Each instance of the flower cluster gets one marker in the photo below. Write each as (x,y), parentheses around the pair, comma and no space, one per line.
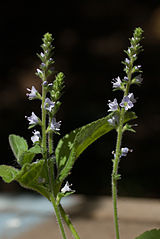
(51,92)
(133,76)
(130,69)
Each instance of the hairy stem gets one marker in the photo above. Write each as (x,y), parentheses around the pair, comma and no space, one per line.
(58,216)
(44,143)
(68,222)
(115,176)
(115,173)
(50,139)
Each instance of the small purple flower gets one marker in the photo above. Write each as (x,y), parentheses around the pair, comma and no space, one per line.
(43,65)
(124,152)
(33,119)
(137,67)
(42,54)
(48,104)
(32,94)
(113,105)
(129,51)
(114,120)
(36,136)
(66,188)
(39,72)
(127,61)
(125,78)
(116,82)
(55,126)
(45,83)
(131,96)
(126,103)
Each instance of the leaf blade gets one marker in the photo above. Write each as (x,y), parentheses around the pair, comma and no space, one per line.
(18,145)
(8,173)
(152,234)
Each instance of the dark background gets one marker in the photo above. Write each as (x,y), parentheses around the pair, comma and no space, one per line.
(90,37)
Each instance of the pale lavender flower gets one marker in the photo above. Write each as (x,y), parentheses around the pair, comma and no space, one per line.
(113,105)
(127,61)
(114,120)
(137,67)
(55,126)
(45,83)
(36,136)
(32,94)
(42,54)
(131,96)
(39,71)
(124,151)
(126,103)
(50,84)
(116,82)
(48,104)
(66,188)
(125,78)
(43,64)
(129,51)
(33,119)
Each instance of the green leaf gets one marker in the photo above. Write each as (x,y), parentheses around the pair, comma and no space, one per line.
(64,148)
(18,145)
(27,157)
(36,149)
(30,172)
(153,234)
(29,177)
(72,145)
(8,173)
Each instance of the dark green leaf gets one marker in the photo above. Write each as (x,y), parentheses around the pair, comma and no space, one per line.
(30,175)
(153,234)
(72,145)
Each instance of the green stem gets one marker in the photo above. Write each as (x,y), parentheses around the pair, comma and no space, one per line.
(68,222)
(44,143)
(115,175)
(50,139)
(58,216)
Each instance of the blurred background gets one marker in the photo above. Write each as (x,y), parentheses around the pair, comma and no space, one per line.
(90,37)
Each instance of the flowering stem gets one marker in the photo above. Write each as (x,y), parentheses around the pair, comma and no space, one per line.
(115,175)
(58,216)
(68,222)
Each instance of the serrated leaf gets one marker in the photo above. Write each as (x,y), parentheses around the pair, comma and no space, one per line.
(64,148)
(36,149)
(18,145)
(29,175)
(30,172)
(8,173)
(153,234)
(27,157)
(72,145)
